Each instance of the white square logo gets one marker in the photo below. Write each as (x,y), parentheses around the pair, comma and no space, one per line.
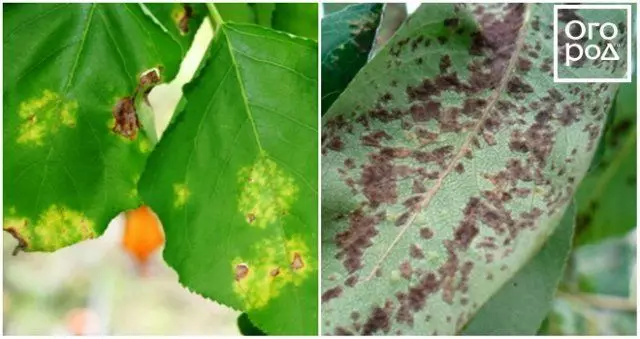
(592,45)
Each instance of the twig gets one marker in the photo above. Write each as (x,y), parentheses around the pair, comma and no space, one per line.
(601,301)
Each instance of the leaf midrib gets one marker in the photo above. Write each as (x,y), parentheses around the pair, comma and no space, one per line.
(223,30)
(80,49)
(243,91)
(428,196)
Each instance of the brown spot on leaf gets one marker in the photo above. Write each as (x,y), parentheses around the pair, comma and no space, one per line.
(356,238)
(426,233)
(402,219)
(445,63)
(451,22)
(126,119)
(22,243)
(297,262)
(418,187)
(351,281)
(378,320)
(335,144)
(242,270)
(331,293)
(342,331)
(416,252)
(406,270)
(379,180)
(183,19)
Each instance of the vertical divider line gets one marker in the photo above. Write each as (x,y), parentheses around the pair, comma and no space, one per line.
(319,23)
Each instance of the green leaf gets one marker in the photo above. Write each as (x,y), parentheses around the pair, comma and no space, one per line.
(602,303)
(67,169)
(247,327)
(605,268)
(347,37)
(181,20)
(238,201)
(520,306)
(607,195)
(297,18)
(447,162)
(251,13)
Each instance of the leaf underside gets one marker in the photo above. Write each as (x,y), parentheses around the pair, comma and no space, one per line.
(69,168)
(447,163)
(239,202)
(520,306)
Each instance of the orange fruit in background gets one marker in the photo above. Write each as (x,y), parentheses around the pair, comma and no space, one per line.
(142,233)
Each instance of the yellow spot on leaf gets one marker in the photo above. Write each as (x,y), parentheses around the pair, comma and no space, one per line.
(56,227)
(297,247)
(143,145)
(267,192)
(45,115)
(181,195)
(269,269)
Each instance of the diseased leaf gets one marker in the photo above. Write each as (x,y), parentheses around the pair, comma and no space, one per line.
(520,306)
(181,20)
(330,7)
(447,163)
(73,144)
(393,15)
(607,195)
(297,18)
(347,37)
(239,203)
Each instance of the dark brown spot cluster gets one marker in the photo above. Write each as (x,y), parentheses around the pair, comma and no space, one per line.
(353,241)
(413,157)
(379,320)
(126,119)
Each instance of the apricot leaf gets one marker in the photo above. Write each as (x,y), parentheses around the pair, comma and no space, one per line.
(239,201)
(74,147)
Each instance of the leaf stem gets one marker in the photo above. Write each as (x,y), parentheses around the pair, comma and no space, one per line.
(214,16)
(608,302)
